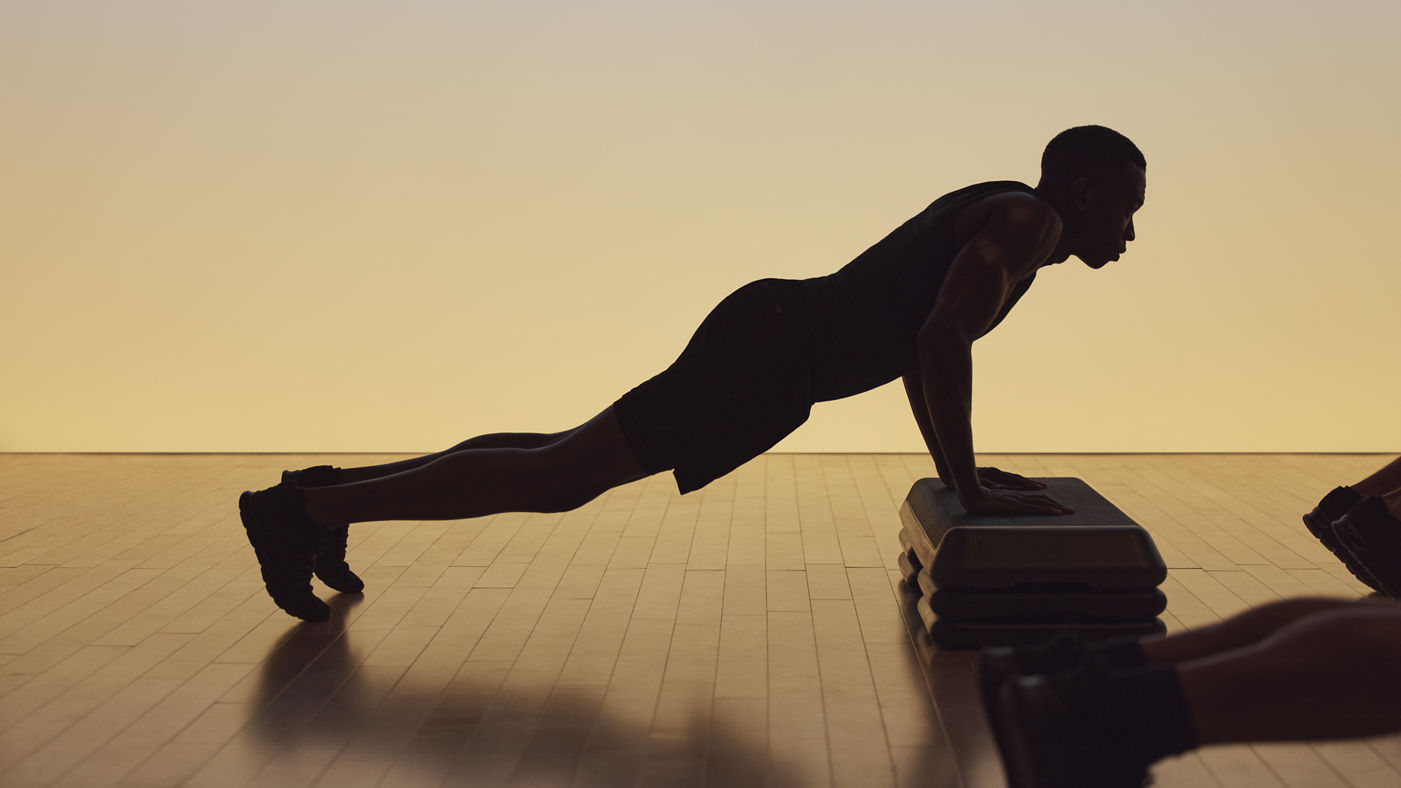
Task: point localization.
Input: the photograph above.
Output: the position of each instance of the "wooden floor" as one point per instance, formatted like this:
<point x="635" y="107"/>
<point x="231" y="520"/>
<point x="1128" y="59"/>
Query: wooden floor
<point x="747" y="634"/>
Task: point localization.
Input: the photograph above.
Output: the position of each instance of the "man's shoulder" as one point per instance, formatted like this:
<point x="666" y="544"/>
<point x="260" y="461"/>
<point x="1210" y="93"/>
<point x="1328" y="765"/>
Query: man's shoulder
<point x="1008" y="213"/>
<point x="974" y="192"/>
<point x="1018" y="209"/>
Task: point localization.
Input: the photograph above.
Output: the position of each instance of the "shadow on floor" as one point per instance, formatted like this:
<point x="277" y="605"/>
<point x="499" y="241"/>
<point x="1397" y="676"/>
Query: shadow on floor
<point x="319" y="706"/>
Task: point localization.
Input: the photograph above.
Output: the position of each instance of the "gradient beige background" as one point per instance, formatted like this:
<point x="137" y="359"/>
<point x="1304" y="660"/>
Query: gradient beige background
<point x="345" y="226"/>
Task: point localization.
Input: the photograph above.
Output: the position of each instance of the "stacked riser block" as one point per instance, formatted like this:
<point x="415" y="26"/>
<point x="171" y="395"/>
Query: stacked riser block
<point x="985" y="581"/>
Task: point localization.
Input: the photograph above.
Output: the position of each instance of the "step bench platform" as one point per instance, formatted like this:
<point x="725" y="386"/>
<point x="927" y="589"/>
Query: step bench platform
<point x="1096" y="549"/>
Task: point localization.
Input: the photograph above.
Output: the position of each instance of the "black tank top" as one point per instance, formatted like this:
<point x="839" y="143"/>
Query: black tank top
<point x="864" y="317"/>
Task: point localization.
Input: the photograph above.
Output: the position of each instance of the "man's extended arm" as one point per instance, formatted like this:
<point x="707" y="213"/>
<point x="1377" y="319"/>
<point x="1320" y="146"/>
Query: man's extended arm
<point x="1018" y="236"/>
<point x="946" y="368"/>
<point x="919" y="405"/>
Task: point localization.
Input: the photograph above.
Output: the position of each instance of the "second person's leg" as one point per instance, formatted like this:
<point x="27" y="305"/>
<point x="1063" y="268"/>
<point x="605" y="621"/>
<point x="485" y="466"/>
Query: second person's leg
<point x="1327" y="676"/>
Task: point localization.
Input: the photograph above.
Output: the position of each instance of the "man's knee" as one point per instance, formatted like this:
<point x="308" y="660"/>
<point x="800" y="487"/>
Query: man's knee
<point x="563" y="482"/>
<point x="567" y="500"/>
<point x="585" y="463"/>
<point x="564" y="489"/>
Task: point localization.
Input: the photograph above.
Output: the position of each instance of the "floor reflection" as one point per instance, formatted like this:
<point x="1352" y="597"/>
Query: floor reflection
<point x="323" y="710"/>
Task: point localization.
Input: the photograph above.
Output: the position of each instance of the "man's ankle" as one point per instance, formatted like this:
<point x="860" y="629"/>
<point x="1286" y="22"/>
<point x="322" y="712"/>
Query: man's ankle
<point x="315" y="501"/>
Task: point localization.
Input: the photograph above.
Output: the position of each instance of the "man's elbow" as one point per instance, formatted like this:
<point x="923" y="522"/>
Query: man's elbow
<point x="938" y="343"/>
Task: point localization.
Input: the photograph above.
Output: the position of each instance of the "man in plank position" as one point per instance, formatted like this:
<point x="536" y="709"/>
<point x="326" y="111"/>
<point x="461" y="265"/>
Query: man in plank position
<point x="909" y="307"/>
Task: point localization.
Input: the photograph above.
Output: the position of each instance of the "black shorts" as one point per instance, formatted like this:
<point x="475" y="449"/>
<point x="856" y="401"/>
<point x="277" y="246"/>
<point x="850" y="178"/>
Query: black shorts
<point x="742" y="384"/>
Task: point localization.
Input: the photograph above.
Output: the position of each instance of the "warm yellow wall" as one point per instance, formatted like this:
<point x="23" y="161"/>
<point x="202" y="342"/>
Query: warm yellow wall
<point x="342" y="226"/>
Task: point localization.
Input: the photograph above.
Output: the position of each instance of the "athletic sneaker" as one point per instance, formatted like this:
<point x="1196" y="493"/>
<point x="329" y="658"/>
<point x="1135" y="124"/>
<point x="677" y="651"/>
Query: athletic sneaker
<point x="1373" y="537"/>
<point x="284" y="539"/>
<point x="331" y="567"/>
<point x="1000" y="664"/>
<point x="1054" y="734"/>
<point x="1320" y="523"/>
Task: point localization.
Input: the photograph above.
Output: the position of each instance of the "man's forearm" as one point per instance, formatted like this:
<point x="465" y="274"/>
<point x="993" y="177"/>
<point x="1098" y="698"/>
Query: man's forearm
<point x="947" y="374"/>
<point x="919" y="406"/>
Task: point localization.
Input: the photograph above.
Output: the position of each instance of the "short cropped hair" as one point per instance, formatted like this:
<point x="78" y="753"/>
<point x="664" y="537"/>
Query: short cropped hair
<point x="1090" y="152"/>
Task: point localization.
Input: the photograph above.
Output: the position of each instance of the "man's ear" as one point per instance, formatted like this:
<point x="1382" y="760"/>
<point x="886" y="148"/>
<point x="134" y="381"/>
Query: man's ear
<point x="1080" y="193"/>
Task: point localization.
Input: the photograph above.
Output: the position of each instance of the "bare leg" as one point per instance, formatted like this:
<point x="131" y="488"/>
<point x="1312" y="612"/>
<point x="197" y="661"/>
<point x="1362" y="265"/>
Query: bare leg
<point x="472" y="482"/>
<point x="496" y="440"/>
<point x="1246" y="629"/>
<point x="1327" y="676"/>
<point x="1386" y="480"/>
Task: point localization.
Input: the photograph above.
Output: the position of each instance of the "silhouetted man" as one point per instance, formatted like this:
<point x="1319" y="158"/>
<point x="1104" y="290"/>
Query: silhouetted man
<point x="908" y="307"/>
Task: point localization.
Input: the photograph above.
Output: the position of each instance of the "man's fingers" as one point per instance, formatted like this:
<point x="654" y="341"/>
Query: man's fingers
<point x="1009" y="503"/>
<point x="1027" y="484"/>
<point x="1008" y="479"/>
<point x="1047" y="504"/>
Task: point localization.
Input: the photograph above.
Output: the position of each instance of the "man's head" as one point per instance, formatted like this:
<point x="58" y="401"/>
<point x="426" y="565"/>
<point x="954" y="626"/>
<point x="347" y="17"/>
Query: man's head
<point x="1094" y="176"/>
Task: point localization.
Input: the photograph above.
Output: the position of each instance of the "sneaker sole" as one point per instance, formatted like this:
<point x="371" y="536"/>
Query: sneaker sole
<point x="1352" y="539"/>
<point x="308" y="608"/>
<point x="1329" y="539"/>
